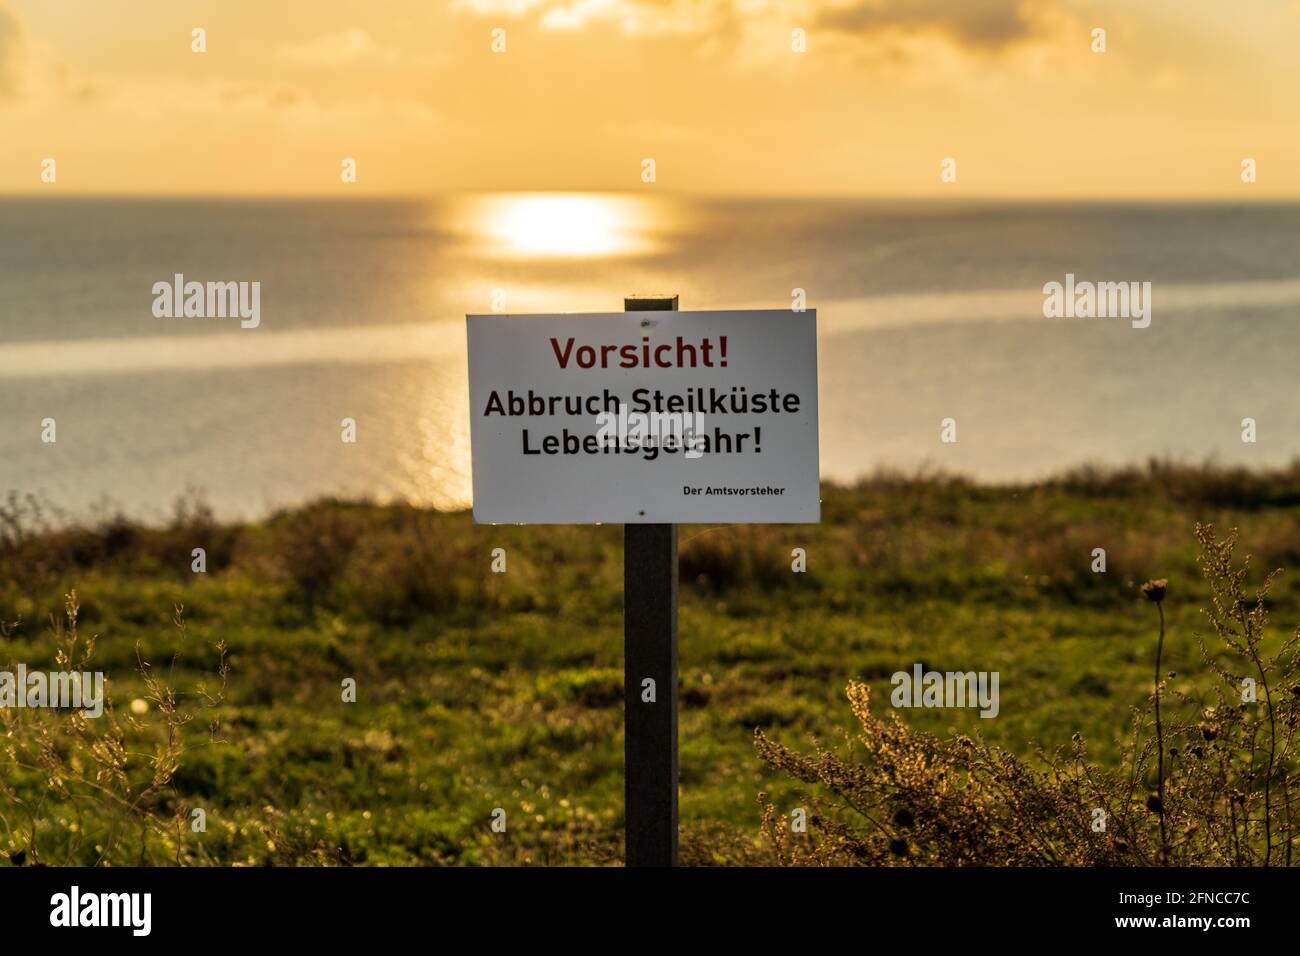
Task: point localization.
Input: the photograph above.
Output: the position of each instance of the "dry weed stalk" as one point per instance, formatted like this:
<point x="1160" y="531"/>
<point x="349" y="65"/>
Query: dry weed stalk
<point x="90" y="766"/>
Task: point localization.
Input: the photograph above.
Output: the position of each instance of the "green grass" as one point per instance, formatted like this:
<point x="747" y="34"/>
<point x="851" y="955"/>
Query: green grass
<point x="479" y="690"/>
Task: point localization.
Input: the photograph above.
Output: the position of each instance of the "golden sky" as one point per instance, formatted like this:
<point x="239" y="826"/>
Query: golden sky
<point x="710" y="89"/>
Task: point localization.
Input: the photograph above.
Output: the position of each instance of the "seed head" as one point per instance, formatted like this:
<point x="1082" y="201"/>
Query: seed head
<point x="1155" y="590"/>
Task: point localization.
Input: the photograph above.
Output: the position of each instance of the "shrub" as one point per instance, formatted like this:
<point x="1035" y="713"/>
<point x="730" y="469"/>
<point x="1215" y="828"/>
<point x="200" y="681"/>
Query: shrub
<point x="724" y="558"/>
<point x="313" y="546"/>
<point x="1211" y="787"/>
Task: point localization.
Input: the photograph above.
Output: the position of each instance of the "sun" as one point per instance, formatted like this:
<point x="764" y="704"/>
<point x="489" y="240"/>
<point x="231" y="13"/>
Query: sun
<point x="545" y="225"/>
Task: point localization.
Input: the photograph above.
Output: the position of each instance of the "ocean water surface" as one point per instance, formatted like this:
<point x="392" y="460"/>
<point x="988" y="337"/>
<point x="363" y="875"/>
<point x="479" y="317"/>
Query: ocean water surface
<point x="926" y="311"/>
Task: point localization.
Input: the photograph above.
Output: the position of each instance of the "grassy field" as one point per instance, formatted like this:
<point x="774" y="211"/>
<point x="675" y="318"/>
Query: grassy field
<point x="478" y="690"/>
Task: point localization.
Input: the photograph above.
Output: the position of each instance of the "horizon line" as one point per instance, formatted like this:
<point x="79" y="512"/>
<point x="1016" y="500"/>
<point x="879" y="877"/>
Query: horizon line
<point x="335" y="196"/>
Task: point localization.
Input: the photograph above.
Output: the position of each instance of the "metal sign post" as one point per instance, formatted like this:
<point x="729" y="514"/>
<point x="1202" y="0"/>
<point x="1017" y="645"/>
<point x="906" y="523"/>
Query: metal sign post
<point x="650" y="654"/>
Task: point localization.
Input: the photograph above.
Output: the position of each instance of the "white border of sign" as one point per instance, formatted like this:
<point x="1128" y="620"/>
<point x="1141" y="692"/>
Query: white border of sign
<point x="549" y="446"/>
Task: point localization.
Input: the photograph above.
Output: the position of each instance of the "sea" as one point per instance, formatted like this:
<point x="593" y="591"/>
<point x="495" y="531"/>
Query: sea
<point x="927" y="311"/>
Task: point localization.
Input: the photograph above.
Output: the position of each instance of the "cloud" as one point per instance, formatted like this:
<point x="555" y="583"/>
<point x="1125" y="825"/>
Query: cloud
<point x="11" y="45"/>
<point x="653" y="17"/>
<point x="888" y="31"/>
<point x="336" y="49"/>
<point x="496" y="8"/>
<point x="981" y="25"/>
<point x="577" y="16"/>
